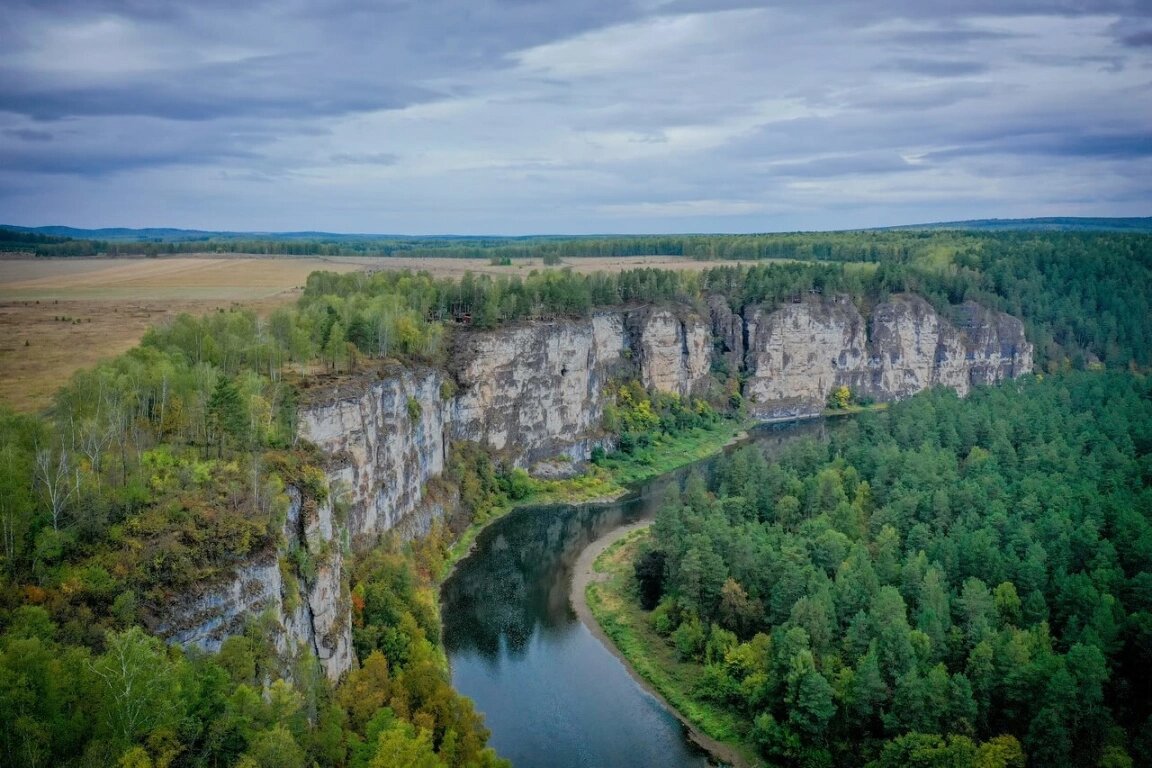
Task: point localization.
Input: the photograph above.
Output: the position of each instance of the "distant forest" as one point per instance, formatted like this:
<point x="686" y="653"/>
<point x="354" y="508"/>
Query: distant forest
<point x="1082" y="297"/>
<point x="895" y="243"/>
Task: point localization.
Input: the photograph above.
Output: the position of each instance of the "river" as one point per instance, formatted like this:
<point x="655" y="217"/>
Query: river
<point x="551" y="693"/>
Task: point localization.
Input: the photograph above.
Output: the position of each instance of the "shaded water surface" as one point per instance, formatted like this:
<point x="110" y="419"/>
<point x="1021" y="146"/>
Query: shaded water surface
<point x="551" y="694"/>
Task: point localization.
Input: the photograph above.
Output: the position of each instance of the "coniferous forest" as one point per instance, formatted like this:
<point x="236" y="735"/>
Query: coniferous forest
<point x="951" y="582"/>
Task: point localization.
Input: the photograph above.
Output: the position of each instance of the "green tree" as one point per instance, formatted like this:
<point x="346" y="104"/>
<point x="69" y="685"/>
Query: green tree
<point x="137" y="685"/>
<point x="227" y="413"/>
<point x="275" y="748"/>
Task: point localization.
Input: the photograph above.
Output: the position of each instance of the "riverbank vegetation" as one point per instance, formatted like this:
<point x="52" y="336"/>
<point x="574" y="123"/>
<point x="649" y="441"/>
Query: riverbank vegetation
<point x="613" y="604"/>
<point x="649" y="433"/>
<point x="943" y="583"/>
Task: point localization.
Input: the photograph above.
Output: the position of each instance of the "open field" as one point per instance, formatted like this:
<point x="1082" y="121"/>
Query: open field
<point x="59" y="315"/>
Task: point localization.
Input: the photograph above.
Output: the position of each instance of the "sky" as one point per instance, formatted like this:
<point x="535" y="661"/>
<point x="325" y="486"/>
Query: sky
<point x="571" y="116"/>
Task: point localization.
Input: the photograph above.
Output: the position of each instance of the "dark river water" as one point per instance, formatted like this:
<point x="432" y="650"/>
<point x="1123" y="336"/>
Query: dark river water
<point x="551" y="693"/>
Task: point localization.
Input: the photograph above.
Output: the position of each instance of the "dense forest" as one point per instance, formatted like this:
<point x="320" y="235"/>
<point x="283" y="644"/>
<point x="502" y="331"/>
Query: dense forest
<point x="949" y="582"/>
<point x="154" y="475"/>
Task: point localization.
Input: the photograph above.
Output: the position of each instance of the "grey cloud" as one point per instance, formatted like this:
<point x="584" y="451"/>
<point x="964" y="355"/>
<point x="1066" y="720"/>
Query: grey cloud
<point x="938" y="67"/>
<point x="945" y="9"/>
<point x="1138" y="39"/>
<point x="1123" y="146"/>
<point x="844" y="165"/>
<point x="338" y="57"/>
<point x="104" y="162"/>
<point x="28" y="134"/>
<point x="930" y="97"/>
<point x="254" y="88"/>
<point x="798" y="116"/>
<point x="366" y="158"/>
<point x="1106" y="63"/>
<point x="946" y="37"/>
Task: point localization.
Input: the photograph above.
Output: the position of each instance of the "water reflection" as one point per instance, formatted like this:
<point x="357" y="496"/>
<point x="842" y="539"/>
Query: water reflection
<point x="550" y="692"/>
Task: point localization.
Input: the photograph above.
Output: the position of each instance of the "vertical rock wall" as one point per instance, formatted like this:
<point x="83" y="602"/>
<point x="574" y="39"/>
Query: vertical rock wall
<point x="311" y="611"/>
<point x="537" y="391"/>
<point x="799" y="353"/>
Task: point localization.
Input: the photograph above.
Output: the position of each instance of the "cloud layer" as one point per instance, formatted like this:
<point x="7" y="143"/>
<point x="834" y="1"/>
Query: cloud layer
<point x="520" y="116"/>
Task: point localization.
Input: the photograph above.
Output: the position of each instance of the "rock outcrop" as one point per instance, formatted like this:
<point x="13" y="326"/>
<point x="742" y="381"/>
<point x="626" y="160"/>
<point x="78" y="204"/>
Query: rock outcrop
<point x="535" y="393"/>
<point x="528" y="394"/>
<point x="674" y="352"/>
<point x="798" y="354"/>
<point x="385" y="437"/>
<point x="310" y="611"/>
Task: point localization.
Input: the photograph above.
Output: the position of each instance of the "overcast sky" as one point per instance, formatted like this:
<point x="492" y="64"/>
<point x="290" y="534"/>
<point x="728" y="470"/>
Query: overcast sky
<point x="529" y="116"/>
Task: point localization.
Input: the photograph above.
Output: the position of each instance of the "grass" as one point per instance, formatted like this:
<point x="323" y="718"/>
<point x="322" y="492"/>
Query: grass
<point x="614" y="604"/>
<point x="60" y="315"/>
<point x="853" y="409"/>
<point x="610" y="479"/>
<point x="668" y="452"/>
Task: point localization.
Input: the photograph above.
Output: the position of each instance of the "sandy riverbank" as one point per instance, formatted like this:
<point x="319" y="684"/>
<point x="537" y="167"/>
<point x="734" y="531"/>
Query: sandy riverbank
<point x="582" y="576"/>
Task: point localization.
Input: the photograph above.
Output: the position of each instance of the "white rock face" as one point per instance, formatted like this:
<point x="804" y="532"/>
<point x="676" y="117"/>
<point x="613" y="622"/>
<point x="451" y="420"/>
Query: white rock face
<point x="796" y="354"/>
<point x="537" y="392"/>
<point x="530" y="392"/>
<point x="675" y="354"/>
<point x="799" y="353"/>
<point x="313" y="614"/>
<point x="386" y="439"/>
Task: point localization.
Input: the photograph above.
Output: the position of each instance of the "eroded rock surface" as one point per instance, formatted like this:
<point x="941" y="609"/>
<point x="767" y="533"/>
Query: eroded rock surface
<point x="798" y="354"/>
<point x="534" y="395"/>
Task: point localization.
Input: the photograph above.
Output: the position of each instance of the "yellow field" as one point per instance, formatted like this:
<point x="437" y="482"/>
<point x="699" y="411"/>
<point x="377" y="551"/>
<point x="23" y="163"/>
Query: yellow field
<point x="59" y="315"/>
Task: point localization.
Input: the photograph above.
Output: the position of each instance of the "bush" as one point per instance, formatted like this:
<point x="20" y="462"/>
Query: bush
<point x="414" y="409"/>
<point x="517" y="484"/>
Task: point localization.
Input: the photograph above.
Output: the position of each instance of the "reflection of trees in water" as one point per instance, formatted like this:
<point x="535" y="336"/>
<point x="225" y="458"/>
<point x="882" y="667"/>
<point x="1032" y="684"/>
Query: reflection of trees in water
<point x="521" y="580"/>
<point x="518" y="581"/>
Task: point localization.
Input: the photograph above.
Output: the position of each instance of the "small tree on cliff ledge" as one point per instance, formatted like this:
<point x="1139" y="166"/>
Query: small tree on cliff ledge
<point x="840" y="398"/>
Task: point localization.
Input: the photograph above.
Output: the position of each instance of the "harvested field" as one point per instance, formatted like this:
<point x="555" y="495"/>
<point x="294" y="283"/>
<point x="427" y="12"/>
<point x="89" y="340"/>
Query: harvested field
<point x="60" y="315"/>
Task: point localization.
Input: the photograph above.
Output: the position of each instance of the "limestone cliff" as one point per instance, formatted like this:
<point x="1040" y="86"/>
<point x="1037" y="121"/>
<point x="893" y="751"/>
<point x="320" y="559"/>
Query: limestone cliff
<point x="535" y="392"/>
<point x="309" y="611"/>
<point x="799" y="353"/>
<point x="529" y="394"/>
<point x="385" y="438"/>
<point x="674" y="352"/>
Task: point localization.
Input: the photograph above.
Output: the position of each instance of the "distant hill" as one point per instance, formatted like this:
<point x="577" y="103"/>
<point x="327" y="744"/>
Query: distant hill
<point x="169" y="235"/>
<point x="1051" y="224"/>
